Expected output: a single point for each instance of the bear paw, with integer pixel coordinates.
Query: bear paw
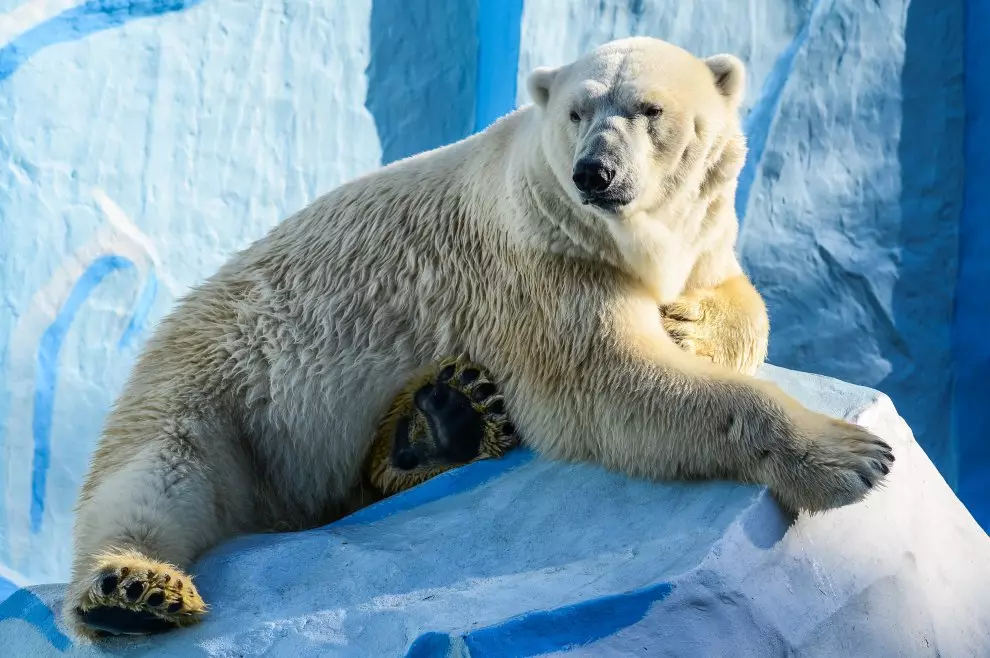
(834, 465)
(703, 323)
(449, 415)
(130, 594)
(686, 322)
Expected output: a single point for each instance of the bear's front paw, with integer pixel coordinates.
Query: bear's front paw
(832, 464)
(690, 323)
(707, 324)
(130, 594)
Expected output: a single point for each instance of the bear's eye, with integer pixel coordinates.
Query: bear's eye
(652, 111)
(575, 117)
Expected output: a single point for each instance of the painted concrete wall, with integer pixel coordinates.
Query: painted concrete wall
(971, 411)
(142, 142)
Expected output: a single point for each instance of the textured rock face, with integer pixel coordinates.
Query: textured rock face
(523, 556)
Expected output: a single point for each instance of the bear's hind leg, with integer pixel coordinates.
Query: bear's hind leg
(140, 522)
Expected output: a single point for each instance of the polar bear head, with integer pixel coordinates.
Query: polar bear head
(638, 121)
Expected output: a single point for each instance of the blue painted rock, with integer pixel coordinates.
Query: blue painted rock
(524, 556)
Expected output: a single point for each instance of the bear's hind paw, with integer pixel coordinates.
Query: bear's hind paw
(131, 594)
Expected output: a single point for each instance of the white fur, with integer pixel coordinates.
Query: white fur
(254, 403)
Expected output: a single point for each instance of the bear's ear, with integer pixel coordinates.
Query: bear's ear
(539, 83)
(730, 76)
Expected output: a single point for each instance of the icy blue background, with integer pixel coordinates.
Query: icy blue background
(199, 124)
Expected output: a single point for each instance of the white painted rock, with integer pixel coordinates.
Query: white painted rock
(524, 556)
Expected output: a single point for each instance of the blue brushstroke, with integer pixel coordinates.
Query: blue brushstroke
(46, 375)
(142, 309)
(546, 631)
(79, 22)
(971, 312)
(760, 118)
(6, 588)
(450, 483)
(26, 606)
(499, 24)
(431, 645)
(434, 44)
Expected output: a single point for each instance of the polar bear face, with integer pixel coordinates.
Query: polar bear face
(635, 121)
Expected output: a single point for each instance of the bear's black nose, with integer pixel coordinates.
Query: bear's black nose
(592, 176)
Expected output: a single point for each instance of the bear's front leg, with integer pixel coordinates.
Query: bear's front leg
(617, 390)
(727, 324)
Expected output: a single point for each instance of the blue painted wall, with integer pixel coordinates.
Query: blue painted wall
(971, 402)
(179, 131)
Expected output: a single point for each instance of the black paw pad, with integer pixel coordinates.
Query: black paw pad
(508, 429)
(406, 460)
(134, 591)
(483, 391)
(497, 406)
(175, 607)
(109, 584)
(156, 599)
(118, 621)
(469, 375)
(456, 426)
(447, 373)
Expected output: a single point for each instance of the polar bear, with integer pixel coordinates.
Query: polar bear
(581, 248)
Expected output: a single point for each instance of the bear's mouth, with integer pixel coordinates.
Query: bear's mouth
(610, 201)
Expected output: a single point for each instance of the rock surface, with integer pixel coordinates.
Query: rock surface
(524, 556)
